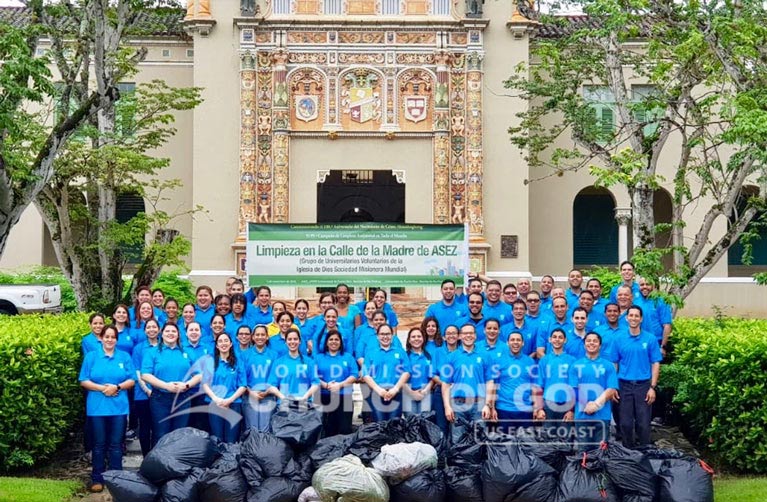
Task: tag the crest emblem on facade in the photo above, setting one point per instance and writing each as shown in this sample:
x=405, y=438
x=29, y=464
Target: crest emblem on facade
x=416, y=107
x=360, y=98
x=307, y=108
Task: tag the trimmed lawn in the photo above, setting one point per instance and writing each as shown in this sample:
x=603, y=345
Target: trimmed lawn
x=740, y=489
x=36, y=490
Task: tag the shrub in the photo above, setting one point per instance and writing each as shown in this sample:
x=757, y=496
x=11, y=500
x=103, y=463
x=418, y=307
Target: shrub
x=42, y=399
x=175, y=287
x=718, y=375
x=609, y=278
x=44, y=275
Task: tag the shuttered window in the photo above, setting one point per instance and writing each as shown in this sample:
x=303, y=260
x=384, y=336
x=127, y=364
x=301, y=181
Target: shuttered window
x=736, y=267
x=595, y=231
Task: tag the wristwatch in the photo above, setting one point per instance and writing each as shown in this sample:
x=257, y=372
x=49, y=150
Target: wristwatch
x=118, y=387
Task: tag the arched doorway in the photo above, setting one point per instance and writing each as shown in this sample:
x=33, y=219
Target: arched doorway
x=662, y=214
x=736, y=267
x=595, y=231
x=360, y=195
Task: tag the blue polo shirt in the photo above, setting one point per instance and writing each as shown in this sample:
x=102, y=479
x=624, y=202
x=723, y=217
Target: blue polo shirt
x=575, y=344
x=546, y=302
x=656, y=313
x=421, y=371
x=535, y=322
x=635, y=293
x=385, y=366
x=258, y=365
x=479, y=325
x=491, y=353
x=89, y=343
x=259, y=316
x=363, y=335
x=593, y=321
x=139, y=352
x=204, y=316
x=609, y=336
x=319, y=339
x=233, y=325
x=346, y=323
x=468, y=372
x=293, y=376
x=446, y=315
x=336, y=368
x=590, y=378
x=168, y=364
x=102, y=369
x=553, y=377
x=514, y=380
x=197, y=352
x=529, y=333
x=440, y=361
x=571, y=297
x=225, y=379
x=635, y=355
x=500, y=311
x=280, y=348
x=546, y=327
x=126, y=340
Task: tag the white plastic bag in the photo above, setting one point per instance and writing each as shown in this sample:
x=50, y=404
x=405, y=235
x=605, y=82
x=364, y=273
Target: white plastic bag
x=346, y=479
x=401, y=461
x=309, y=495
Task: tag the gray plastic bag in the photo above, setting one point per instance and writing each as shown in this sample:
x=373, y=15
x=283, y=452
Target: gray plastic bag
x=346, y=479
x=401, y=461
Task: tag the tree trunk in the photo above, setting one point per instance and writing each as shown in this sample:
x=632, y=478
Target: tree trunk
x=149, y=270
x=643, y=218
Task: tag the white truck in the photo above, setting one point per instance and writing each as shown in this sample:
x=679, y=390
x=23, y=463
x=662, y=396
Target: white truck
x=29, y=298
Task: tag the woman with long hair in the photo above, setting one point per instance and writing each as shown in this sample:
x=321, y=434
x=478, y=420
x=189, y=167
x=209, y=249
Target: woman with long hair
x=259, y=405
x=144, y=313
x=337, y=371
x=92, y=341
x=198, y=352
x=293, y=377
x=386, y=370
x=417, y=397
x=224, y=386
x=142, y=390
x=120, y=320
x=107, y=374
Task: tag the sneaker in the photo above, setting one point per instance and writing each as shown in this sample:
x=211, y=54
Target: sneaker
x=130, y=435
x=97, y=488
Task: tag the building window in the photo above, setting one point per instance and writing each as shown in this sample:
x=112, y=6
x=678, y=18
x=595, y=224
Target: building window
x=130, y=205
x=736, y=267
x=390, y=7
x=644, y=109
x=416, y=7
x=362, y=7
x=441, y=7
x=190, y=53
x=125, y=109
x=332, y=7
x=595, y=231
x=281, y=7
x=307, y=6
x=166, y=53
x=602, y=101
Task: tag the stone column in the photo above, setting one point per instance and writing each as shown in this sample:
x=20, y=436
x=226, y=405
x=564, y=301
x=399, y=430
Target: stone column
x=474, y=160
x=248, y=118
x=281, y=140
x=623, y=217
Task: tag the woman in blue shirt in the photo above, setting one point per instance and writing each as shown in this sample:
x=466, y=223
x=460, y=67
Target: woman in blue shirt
x=258, y=406
x=92, y=341
x=379, y=298
x=142, y=391
x=224, y=384
x=417, y=397
x=187, y=316
x=217, y=326
x=317, y=323
x=204, y=309
x=239, y=316
x=294, y=375
x=331, y=323
x=126, y=341
x=386, y=370
x=168, y=369
x=171, y=310
x=366, y=336
x=435, y=346
x=348, y=314
x=198, y=352
x=107, y=374
x=144, y=312
x=243, y=341
x=337, y=371
x=300, y=313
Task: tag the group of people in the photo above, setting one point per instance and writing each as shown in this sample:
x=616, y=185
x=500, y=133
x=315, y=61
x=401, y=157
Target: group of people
x=509, y=355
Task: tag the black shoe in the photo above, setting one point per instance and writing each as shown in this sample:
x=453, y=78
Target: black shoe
x=130, y=435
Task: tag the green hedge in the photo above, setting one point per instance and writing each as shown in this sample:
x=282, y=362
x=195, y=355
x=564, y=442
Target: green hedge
x=718, y=375
x=41, y=397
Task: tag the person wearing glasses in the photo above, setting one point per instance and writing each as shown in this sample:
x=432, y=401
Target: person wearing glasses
x=386, y=370
x=510, y=294
x=467, y=379
x=520, y=324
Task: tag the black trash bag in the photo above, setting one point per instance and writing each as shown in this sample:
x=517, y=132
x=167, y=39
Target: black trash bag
x=263, y=456
x=224, y=481
x=277, y=489
x=299, y=428
x=129, y=486
x=551, y=449
x=538, y=490
x=652, y=452
x=299, y=468
x=428, y=485
x=630, y=471
x=465, y=450
x=585, y=480
x=420, y=429
x=369, y=439
x=508, y=469
x=329, y=448
x=463, y=484
x=182, y=489
x=685, y=480
x=177, y=453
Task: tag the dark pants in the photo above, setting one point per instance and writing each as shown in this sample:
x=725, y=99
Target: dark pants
x=169, y=412
x=107, y=433
x=223, y=422
x=337, y=410
x=635, y=414
x=144, y=417
x=199, y=417
x=439, y=409
x=553, y=425
x=591, y=433
x=385, y=410
x=510, y=421
x=132, y=418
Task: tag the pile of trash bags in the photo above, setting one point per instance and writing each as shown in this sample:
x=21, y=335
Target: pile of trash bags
x=403, y=460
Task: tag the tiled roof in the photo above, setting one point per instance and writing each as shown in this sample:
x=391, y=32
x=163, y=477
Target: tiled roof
x=153, y=23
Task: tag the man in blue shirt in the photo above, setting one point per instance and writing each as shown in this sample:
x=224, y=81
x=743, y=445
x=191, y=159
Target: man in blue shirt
x=447, y=311
x=638, y=358
x=557, y=319
x=656, y=313
x=586, y=302
x=575, y=280
x=595, y=286
x=627, y=274
x=534, y=315
x=595, y=382
x=519, y=324
x=494, y=307
x=467, y=380
x=515, y=376
x=476, y=316
x=553, y=378
x=547, y=285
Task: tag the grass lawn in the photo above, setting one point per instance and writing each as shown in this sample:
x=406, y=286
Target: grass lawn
x=740, y=489
x=36, y=490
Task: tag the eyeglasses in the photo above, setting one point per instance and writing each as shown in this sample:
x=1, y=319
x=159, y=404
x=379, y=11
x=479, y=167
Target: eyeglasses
x=475, y=303
x=509, y=292
x=533, y=300
x=385, y=334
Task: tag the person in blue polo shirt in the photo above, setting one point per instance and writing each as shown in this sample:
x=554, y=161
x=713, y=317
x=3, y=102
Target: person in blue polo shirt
x=556, y=320
x=197, y=349
x=656, y=313
x=417, y=397
x=586, y=302
x=144, y=313
x=204, y=309
x=638, y=358
x=535, y=317
x=142, y=390
x=553, y=378
x=519, y=324
x=546, y=285
x=262, y=306
x=627, y=274
x=337, y=371
x=610, y=332
x=120, y=320
x=476, y=316
x=515, y=376
x=494, y=308
x=386, y=370
x=439, y=363
x=576, y=334
x=293, y=378
x=239, y=316
x=168, y=369
x=259, y=404
x=92, y=341
x=467, y=379
x=224, y=383
x=107, y=374
x=595, y=383
x=575, y=281
x=447, y=311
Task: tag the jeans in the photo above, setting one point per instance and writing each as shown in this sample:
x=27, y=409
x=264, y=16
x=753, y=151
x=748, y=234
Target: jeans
x=439, y=410
x=199, y=418
x=144, y=420
x=590, y=433
x=258, y=414
x=223, y=422
x=412, y=407
x=169, y=412
x=635, y=414
x=553, y=425
x=510, y=421
x=385, y=410
x=337, y=410
x=107, y=434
